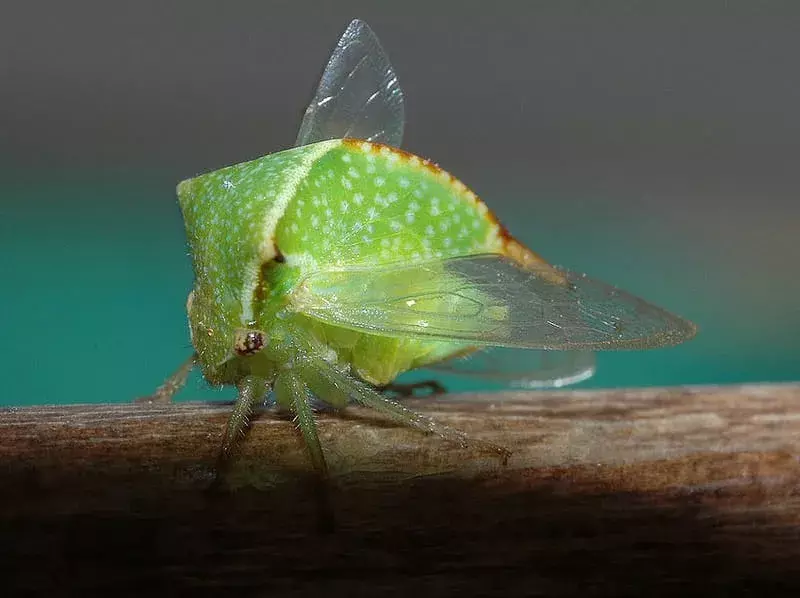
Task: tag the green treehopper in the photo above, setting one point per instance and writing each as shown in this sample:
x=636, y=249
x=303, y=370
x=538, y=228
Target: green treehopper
x=324, y=271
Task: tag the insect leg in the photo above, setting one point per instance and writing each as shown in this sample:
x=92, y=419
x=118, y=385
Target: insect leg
x=291, y=392
x=369, y=397
x=171, y=385
x=252, y=390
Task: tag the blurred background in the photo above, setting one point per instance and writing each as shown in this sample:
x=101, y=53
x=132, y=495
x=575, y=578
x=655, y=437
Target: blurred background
x=652, y=147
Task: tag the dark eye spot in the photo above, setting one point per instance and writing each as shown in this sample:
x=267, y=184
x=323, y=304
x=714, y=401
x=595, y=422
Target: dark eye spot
x=249, y=342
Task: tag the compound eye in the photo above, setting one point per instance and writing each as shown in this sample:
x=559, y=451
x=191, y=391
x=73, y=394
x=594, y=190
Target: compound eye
x=249, y=342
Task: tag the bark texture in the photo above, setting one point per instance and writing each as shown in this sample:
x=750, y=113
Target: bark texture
x=623, y=493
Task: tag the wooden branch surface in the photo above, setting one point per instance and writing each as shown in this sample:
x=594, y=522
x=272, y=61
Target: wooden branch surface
x=619, y=492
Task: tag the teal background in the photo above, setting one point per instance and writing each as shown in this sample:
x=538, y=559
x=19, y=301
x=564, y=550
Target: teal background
x=657, y=152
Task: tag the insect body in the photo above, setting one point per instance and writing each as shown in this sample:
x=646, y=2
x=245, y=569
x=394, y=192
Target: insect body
x=256, y=230
x=328, y=269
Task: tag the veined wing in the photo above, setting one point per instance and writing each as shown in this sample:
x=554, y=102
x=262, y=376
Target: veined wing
x=519, y=368
x=358, y=95
x=488, y=300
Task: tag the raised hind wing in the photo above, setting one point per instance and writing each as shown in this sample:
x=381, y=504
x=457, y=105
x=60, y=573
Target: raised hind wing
x=358, y=95
x=488, y=300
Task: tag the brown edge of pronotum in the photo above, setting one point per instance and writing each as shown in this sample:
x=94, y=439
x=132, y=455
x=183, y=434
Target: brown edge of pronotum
x=512, y=248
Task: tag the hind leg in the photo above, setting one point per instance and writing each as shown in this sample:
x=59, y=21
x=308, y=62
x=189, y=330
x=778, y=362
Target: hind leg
x=370, y=396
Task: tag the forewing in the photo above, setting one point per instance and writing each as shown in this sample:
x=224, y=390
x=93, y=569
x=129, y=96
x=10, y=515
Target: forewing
x=488, y=300
x=519, y=368
x=358, y=96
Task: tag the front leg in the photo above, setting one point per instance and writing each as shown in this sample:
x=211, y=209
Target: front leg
x=171, y=385
x=252, y=391
x=292, y=393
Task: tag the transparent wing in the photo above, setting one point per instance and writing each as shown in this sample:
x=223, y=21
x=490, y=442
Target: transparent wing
x=488, y=300
x=358, y=96
x=519, y=368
